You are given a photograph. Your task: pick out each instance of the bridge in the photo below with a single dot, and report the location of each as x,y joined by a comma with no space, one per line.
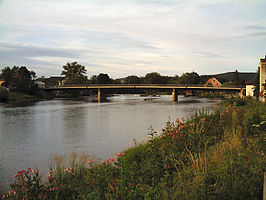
174,88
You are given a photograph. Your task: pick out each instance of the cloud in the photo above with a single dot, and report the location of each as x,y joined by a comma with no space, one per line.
22,50
133,36
210,55
255,28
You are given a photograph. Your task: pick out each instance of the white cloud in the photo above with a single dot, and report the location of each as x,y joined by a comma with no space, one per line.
135,36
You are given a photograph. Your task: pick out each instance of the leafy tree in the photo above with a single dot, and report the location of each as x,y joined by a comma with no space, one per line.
3,94
132,80
189,78
74,73
93,79
155,78
173,80
103,79
23,80
8,75
18,78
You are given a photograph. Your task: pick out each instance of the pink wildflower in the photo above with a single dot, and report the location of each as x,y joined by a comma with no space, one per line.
90,161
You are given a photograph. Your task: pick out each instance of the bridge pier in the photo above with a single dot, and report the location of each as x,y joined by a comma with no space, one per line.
99,95
174,95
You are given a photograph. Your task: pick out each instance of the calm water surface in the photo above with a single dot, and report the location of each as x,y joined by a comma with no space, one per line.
30,135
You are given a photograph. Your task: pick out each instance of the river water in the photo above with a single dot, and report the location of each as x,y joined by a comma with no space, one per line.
30,135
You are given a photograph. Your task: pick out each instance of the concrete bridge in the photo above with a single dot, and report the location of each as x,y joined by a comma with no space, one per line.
173,88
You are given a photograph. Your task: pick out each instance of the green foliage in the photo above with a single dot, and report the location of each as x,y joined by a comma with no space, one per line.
103,79
132,80
155,78
3,94
189,78
74,73
216,155
20,99
19,79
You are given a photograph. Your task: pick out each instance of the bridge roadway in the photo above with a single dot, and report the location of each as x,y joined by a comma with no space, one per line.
174,88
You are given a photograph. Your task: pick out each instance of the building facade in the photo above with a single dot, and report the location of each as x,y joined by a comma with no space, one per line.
262,74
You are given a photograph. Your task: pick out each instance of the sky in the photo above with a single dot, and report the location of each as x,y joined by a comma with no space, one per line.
133,37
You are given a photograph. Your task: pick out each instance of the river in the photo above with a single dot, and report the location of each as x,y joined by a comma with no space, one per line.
30,135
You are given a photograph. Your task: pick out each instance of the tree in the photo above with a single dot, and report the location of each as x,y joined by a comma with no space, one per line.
103,79
23,80
93,79
8,75
235,78
189,78
155,78
74,73
18,78
173,80
132,80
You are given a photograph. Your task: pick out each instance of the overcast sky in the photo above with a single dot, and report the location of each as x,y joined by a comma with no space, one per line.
126,37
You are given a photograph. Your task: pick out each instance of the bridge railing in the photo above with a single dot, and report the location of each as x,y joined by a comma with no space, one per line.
124,85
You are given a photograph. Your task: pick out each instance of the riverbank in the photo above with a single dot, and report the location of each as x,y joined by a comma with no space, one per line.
16,98
210,156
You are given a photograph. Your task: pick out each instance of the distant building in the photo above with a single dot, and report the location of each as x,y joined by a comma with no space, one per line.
250,90
54,81
1,82
214,82
262,75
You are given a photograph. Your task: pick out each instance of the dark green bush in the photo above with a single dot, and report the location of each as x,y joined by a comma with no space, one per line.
3,94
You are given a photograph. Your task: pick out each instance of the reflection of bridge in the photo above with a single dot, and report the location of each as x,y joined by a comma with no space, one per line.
174,88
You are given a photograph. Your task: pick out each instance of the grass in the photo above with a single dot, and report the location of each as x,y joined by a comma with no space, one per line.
216,155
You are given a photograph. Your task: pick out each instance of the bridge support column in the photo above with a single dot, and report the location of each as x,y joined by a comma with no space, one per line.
99,95
174,95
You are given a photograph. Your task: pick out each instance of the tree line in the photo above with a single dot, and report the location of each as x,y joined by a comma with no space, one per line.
21,79
76,74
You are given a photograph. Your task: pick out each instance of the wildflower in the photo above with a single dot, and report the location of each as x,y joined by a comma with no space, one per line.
29,170
106,162
119,154
90,161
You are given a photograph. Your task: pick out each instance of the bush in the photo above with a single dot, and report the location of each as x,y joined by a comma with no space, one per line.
3,94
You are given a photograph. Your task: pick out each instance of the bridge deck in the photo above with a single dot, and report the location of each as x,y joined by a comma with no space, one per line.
125,86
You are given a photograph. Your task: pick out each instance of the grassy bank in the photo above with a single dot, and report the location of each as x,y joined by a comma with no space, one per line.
16,98
210,156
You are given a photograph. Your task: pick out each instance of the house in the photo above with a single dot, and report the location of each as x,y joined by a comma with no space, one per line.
214,82
1,82
54,81
250,90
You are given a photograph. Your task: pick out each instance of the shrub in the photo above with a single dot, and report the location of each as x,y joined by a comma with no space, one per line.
3,94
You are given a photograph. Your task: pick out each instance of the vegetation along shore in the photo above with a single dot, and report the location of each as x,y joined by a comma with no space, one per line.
216,155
